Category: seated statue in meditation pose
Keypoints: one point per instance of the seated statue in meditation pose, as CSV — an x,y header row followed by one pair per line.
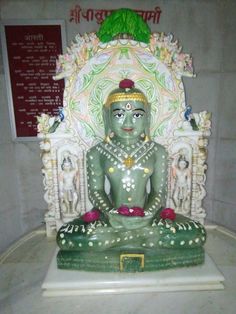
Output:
x,y
130,222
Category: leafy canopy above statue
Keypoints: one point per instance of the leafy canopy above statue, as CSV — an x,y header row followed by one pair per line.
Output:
x,y
124,21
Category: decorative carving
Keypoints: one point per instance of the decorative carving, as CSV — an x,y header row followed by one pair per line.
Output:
x,y
69,185
82,49
48,124
181,174
169,52
201,168
47,175
43,123
203,120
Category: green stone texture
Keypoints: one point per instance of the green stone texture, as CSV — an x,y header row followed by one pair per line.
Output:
x,y
109,261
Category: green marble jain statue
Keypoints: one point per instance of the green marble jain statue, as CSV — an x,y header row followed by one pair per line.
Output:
x,y
129,228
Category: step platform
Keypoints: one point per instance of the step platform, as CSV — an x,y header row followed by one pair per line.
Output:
x,y
71,282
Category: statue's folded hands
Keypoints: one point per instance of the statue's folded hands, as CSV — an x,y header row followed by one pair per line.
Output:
x,y
129,222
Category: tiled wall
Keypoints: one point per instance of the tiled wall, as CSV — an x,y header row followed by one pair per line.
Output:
x,y
21,190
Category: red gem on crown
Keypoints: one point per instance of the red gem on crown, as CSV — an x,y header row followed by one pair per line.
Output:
x,y
126,83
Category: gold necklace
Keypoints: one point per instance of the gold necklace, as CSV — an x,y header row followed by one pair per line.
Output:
x,y
129,162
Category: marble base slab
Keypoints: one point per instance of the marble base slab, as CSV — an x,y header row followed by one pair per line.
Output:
x,y
69,282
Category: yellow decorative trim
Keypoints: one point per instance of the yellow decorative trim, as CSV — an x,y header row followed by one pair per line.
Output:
x,y
146,139
117,97
129,162
107,139
122,256
111,169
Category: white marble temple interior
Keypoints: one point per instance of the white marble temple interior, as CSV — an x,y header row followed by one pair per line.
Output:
x,y
205,28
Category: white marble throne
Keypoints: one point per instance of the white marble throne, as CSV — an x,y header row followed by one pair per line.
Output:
x,y
92,69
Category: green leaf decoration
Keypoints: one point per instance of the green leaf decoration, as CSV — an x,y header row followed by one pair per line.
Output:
x,y
124,21
98,68
174,104
161,78
72,104
124,53
88,78
160,130
151,68
88,129
96,105
148,87
97,99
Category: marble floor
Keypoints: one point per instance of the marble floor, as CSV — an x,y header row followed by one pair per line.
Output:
x,y
24,266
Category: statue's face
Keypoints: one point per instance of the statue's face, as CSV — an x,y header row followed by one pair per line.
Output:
x,y
67,166
182,164
128,119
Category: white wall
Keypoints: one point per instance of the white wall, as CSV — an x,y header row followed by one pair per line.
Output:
x,y
205,29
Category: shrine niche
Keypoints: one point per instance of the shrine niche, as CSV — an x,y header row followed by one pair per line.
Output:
x,y
92,69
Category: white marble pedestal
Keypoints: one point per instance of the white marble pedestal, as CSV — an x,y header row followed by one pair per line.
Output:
x,y
67,282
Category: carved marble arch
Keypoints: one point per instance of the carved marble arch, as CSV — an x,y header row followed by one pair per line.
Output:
x,y
86,91
91,70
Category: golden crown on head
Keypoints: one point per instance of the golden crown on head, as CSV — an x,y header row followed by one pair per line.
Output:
x,y
126,92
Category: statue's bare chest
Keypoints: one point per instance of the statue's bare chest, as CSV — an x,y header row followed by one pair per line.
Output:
x,y
128,166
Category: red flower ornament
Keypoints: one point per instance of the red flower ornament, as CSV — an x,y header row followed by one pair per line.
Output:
x,y
168,213
137,211
126,83
134,211
123,210
91,216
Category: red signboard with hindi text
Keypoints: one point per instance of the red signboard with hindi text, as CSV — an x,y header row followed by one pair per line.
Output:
x,y
31,53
